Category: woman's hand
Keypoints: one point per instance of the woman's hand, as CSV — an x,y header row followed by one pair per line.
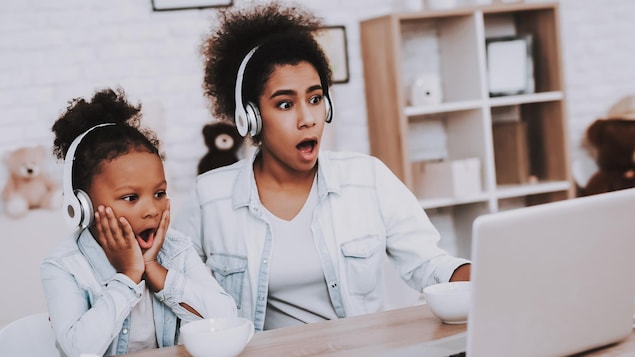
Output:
x,y
119,243
462,273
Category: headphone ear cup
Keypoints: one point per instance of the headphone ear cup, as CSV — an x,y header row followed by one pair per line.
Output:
x,y
329,108
242,122
254,119
73,208
86,209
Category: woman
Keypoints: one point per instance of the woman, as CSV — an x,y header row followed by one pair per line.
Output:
x,y
296,235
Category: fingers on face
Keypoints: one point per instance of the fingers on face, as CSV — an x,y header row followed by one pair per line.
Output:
x,y
109,227
165,219
126,227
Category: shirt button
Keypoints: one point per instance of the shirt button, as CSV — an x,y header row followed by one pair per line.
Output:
x,y
261,297
125,331
265,261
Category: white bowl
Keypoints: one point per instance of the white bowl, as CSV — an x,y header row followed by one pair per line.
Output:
x,y
217,337
450,302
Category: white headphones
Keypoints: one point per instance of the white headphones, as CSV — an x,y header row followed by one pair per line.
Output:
x,y
78,207
247,117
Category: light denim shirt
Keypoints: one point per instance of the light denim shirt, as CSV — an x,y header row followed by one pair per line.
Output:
x,y
364,213
90,303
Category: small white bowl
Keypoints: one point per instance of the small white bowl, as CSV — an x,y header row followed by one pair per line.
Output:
x,y
217,337
450,302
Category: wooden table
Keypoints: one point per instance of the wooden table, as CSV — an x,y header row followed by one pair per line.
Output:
x,y
368,335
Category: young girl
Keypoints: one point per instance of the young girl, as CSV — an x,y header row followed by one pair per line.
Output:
x,y
296,235
127,282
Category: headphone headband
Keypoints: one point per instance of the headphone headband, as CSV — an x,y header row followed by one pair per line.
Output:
x,y
240,116
77,205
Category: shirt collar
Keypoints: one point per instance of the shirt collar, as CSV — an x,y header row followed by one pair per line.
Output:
x,y
246,193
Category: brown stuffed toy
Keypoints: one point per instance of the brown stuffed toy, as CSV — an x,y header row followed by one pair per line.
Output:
x,y
223,143
611,141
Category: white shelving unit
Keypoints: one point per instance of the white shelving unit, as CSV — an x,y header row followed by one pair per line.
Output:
x,y
457,37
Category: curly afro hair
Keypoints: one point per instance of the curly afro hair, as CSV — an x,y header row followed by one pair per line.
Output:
x,y
105,143
283,34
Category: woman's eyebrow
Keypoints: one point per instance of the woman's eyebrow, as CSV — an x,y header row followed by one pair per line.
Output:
x,y
314,88
292,92
282,92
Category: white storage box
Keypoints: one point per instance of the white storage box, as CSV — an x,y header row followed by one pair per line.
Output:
x,y
456,178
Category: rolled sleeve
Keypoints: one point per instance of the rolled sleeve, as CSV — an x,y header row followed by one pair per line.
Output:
x,y
411,239
189,281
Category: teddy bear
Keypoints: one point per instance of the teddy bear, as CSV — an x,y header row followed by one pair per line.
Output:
x,y
223,142
28,185
611,143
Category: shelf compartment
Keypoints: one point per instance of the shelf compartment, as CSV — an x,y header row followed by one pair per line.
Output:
x,y
542,24
544,141
465,138
546,136
446,46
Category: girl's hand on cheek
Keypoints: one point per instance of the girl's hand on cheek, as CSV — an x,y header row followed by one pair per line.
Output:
x,y
150,255
119,244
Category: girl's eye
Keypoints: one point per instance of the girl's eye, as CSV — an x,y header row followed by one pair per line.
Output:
x,y
285,105
161,194
129,198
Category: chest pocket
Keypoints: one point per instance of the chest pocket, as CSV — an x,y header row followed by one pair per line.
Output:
x,y
229,271
363,261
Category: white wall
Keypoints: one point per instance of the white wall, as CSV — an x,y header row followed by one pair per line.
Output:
x,y
52,51
597,39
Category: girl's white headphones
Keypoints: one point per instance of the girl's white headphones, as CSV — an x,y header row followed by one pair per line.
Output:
x,y
78,209
247,117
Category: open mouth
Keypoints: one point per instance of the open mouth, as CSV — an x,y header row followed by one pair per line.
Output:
x,y
307,146
145,238
147,234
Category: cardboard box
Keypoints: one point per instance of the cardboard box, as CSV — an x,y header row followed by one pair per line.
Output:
x,y
456,178
511,153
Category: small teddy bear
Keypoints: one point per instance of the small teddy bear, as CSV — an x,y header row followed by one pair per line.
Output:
x,y
28,186
611,142
223,142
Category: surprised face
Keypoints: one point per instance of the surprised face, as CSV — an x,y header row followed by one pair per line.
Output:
x,y
134,186
293,111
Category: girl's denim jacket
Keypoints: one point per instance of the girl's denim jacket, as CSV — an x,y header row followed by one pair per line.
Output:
x,y
364,214
90,303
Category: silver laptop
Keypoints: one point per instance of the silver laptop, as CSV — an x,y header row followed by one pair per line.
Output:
x,y
549,280
553,279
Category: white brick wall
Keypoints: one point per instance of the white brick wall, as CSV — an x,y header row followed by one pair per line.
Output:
x,y
52,51
598,50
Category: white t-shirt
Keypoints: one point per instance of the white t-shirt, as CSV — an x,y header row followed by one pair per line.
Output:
x,y
142,329
297,289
